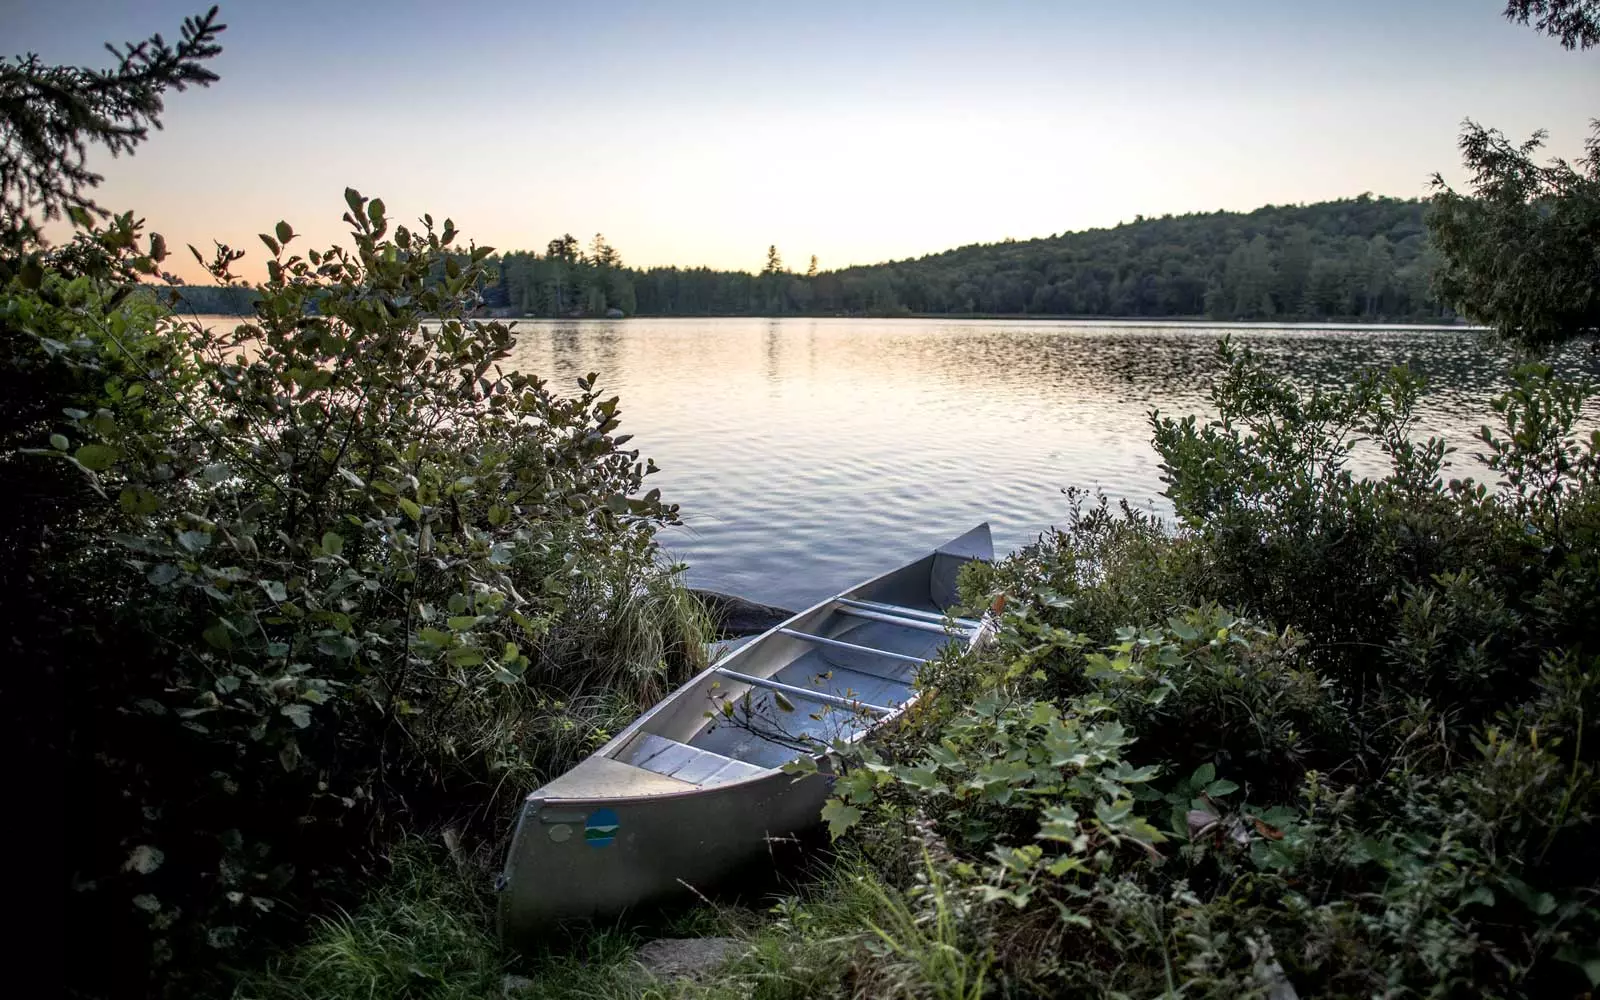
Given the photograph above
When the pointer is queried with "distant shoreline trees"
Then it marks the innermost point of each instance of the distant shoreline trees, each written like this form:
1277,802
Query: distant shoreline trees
1363,259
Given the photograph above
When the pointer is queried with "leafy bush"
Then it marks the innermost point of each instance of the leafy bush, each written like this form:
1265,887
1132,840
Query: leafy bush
1374,776
326,573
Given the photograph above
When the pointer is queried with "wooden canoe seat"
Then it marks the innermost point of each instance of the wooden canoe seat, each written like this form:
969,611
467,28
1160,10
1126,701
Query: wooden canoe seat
684,762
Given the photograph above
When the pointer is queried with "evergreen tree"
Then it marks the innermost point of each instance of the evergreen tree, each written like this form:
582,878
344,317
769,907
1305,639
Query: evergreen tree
1379,272
51,115
1294,269
1574,23
1249,277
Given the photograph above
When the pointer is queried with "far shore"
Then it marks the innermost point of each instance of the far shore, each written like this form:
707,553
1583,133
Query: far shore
1176,321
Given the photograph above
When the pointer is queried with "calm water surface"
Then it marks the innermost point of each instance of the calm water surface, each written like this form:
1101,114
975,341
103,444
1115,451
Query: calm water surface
808,454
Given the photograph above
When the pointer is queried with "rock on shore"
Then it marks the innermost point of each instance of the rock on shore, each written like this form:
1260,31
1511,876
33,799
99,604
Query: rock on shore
735,616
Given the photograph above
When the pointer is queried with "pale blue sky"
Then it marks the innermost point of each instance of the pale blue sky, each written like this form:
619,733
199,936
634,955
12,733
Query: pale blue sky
698,133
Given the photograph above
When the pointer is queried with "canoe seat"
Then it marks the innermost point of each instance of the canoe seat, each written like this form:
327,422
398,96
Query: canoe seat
684,762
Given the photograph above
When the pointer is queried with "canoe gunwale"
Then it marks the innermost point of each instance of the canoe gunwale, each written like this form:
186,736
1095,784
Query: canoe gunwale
615,745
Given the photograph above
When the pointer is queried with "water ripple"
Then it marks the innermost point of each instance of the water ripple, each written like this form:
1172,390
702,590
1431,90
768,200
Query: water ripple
807,454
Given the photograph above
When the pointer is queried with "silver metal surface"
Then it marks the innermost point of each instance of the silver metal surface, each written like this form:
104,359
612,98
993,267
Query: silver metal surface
900,611
916,623
851,647
800,692
681,798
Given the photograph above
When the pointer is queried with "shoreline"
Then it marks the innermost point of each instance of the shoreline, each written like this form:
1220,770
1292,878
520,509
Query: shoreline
1129,321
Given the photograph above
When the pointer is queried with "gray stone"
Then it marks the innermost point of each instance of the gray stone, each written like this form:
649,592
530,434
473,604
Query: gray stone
672,958
736,616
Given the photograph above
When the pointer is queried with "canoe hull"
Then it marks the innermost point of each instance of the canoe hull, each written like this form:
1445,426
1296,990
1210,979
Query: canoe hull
609,835
600,856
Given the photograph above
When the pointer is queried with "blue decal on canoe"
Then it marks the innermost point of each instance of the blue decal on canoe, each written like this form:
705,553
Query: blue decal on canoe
600,828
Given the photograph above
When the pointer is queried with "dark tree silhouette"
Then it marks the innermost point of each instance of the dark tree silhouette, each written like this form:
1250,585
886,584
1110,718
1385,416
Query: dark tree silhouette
1575,23
51,115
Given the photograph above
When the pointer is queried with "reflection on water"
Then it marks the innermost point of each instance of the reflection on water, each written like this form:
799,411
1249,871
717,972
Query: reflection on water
808,454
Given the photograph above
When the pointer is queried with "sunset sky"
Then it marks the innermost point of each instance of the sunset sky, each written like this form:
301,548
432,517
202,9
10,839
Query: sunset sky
698,133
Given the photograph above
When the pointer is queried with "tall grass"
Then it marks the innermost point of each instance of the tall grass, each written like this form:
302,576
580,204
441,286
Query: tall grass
628,636
426,932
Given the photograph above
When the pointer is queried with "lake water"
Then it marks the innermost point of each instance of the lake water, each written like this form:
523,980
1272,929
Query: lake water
808,454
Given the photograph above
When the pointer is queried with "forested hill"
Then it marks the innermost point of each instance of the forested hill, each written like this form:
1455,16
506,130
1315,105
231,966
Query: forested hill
1365,258
1355,259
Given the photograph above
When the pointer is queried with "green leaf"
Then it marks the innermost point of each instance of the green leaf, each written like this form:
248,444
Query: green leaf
438,637
138,500
1203,775
1541,903
193,541
59,442
218,636
215,473
924,777
412,510
299,714
375,210
1183,630
1221,787
332,543
162,574
1585,957
97,457
460,623
275,590
1478,894
464,656
839,818
341,646
285,234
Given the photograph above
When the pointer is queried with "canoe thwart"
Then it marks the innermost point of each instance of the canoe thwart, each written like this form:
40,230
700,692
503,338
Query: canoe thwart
851,647
912,623
901,611
808,694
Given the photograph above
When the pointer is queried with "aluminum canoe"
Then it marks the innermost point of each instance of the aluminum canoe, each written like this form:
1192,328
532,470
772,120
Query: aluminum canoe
693,789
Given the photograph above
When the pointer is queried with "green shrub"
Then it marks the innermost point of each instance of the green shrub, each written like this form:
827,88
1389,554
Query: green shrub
321,577
1374,775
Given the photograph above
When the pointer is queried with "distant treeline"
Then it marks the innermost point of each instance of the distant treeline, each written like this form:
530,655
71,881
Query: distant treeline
229,300
1354,259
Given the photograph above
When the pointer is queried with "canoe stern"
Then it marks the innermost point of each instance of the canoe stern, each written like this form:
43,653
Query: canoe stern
582,858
